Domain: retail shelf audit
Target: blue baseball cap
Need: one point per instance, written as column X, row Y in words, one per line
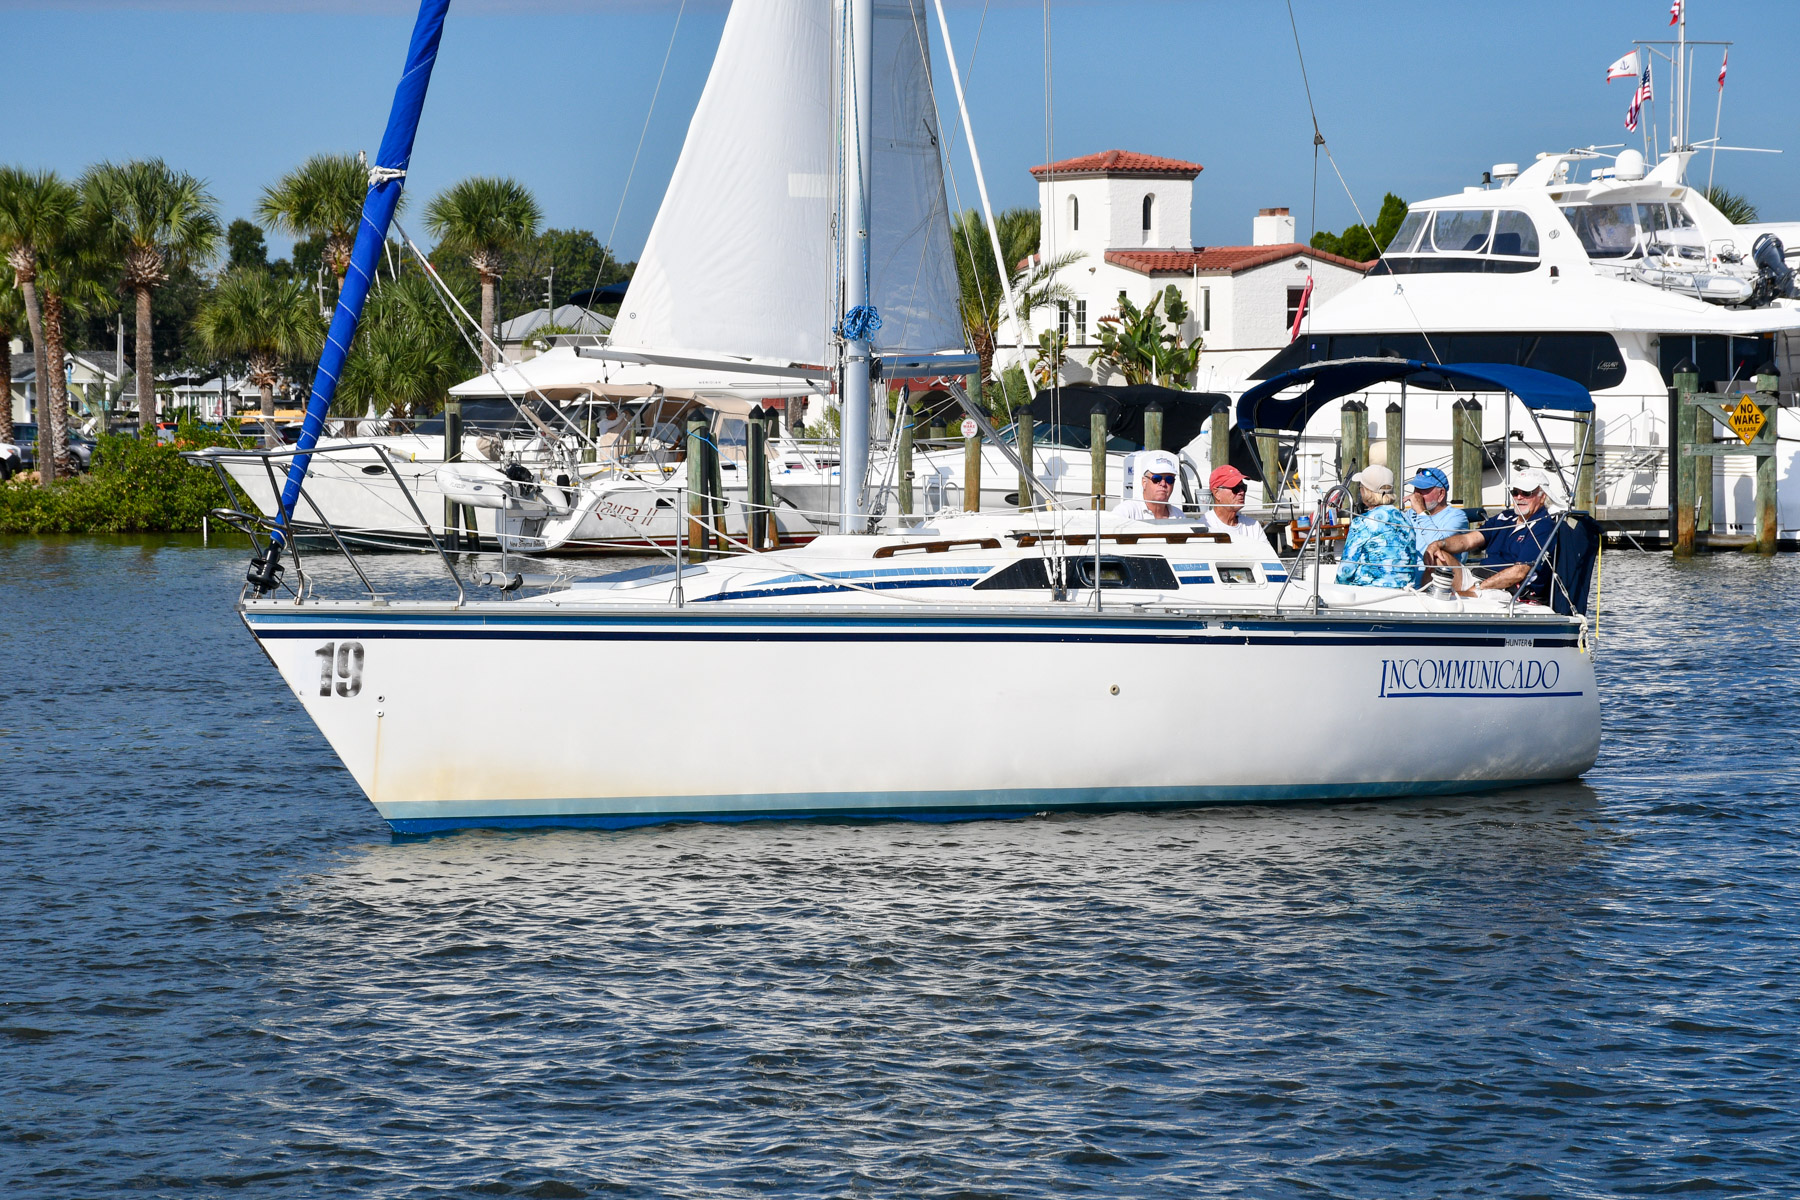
column 1429, row 477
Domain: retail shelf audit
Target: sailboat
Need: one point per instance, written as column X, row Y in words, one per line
column 975, row 664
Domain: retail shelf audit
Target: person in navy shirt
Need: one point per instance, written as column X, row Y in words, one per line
column 1514, row 543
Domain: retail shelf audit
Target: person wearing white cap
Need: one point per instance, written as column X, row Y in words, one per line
column 1514, row 542
column 1380, row 549
column 1158, row 473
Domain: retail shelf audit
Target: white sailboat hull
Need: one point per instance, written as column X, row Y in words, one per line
column 501, row 715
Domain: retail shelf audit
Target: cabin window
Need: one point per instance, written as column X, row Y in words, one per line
column 1074, row 212
column 1462, row 231
column 1149, row 215
column 1408, row 233
column 1028, row 574
column 1143, row 572
column 1515, row 235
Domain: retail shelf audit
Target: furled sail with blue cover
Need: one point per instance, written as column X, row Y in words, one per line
column 386, row 180
column 740, row 261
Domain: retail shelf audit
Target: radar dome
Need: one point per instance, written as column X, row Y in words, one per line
column 1629, row 165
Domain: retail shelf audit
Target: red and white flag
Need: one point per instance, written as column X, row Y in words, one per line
column 1639, row 98
column 1625, row 68
column 1674, row 11
column 1723, row 63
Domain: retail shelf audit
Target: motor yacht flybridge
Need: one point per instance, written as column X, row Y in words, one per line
column 1055, row 658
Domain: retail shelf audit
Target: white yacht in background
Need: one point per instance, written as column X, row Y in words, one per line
column 1592, row 268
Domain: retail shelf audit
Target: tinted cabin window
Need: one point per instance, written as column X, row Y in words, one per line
column 1144, row 572
column 1026, row 574
column 1515, row 235
column 1408, row 234
column 1461, row 232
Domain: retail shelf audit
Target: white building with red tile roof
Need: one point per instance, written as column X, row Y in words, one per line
column 1129, row 217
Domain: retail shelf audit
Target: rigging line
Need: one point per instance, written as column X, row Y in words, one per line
column 1319, row 143
column 642, row 134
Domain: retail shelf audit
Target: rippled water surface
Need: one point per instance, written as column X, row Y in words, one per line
column 220, row 971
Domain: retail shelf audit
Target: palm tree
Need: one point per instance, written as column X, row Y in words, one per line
column 484, row 218
column 69, row 278
column 155, row 219
column 36, row 209
column 407, row 353
column 1732, row 206
column 322, row 197
column 1033, row 280
column 267, row 322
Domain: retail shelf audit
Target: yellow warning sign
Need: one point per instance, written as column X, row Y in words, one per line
column 1746, row 420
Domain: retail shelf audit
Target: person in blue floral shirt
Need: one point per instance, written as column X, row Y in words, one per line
column 1381, row 548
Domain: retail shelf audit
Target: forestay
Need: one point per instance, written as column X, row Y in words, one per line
column 740, row 260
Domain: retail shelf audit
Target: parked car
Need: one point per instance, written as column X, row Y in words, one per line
column 25, row 436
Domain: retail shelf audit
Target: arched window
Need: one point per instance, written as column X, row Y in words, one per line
column 1149, row 215
column 1074, row 213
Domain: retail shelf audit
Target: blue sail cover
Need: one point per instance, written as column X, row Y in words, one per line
column 378, row 210
column 1262, row 407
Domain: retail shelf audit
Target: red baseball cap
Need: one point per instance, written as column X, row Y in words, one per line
column 1225, row 476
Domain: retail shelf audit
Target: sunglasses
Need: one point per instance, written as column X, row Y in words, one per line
column 1159, row 478
column 1517, row 493
column 1236, row 487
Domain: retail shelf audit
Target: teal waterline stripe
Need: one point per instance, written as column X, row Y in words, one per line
column 435, row 816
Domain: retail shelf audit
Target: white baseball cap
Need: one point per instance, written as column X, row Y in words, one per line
column 1376, row 479
column 1158, row 462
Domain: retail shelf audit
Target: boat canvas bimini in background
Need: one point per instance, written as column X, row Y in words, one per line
column 1122, row 636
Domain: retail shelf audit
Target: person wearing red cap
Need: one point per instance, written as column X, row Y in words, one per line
column 1227, row 512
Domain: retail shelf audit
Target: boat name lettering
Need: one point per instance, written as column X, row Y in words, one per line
column 340, row 663
column 626, row 512
column 1467, row 676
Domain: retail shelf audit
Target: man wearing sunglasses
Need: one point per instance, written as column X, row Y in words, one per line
column 1156, row 490
column 1428, row 505
column 1514, row 543
column 1227, row 512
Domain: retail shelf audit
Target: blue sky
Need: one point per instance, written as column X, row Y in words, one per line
column 1414, row 96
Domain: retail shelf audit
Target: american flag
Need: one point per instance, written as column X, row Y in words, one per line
column 1639, row 98
column 1674, row 11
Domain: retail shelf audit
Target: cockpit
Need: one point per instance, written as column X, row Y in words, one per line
column 1436, row 241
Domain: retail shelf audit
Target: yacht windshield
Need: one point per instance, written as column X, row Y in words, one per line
column 1462, row 240
column 1408, row 233
column 1515, row 235
column 1605, row 230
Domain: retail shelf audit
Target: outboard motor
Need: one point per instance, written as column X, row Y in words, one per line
column 1774, row 276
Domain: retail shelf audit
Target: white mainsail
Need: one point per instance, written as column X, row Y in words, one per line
column 740, row 260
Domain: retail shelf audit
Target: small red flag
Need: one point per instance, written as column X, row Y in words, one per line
column 1723, row 63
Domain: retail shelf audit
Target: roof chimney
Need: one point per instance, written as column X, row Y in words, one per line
column 1272, row 227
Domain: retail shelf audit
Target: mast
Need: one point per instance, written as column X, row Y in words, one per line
column 860, row 321
column 386, row 178
column 1680, row 132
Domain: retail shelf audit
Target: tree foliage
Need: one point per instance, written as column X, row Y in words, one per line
column 1146, row 346
column 1732, row 206
column 1360, row 243
column 982, row 299
column 323, row 198
column 407, row 353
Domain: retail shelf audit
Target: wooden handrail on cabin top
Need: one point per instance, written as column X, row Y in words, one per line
column 986, row 543
column 1126, row 539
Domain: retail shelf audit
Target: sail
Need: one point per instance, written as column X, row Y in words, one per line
column 912, row 274
column 740, row 260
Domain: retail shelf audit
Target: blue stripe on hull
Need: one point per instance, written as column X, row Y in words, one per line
column 940, row 806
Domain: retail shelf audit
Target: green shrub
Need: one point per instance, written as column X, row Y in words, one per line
column 134, row 487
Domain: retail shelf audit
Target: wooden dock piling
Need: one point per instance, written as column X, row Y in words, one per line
column 1587, row 459
column 1219, row 430
column 1097, row 455
column 756, row 489
column 1706, row 477
column 1681, row 532
column 904, row 469
column 1768, row 398
column 1024, row 428
column 972, row 470
column 698, row 477
column 1394, row 427
column 1153, row 425
column 1353, row 438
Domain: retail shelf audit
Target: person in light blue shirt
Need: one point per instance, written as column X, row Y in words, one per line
column 1429, row 507
column 1381, row 548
